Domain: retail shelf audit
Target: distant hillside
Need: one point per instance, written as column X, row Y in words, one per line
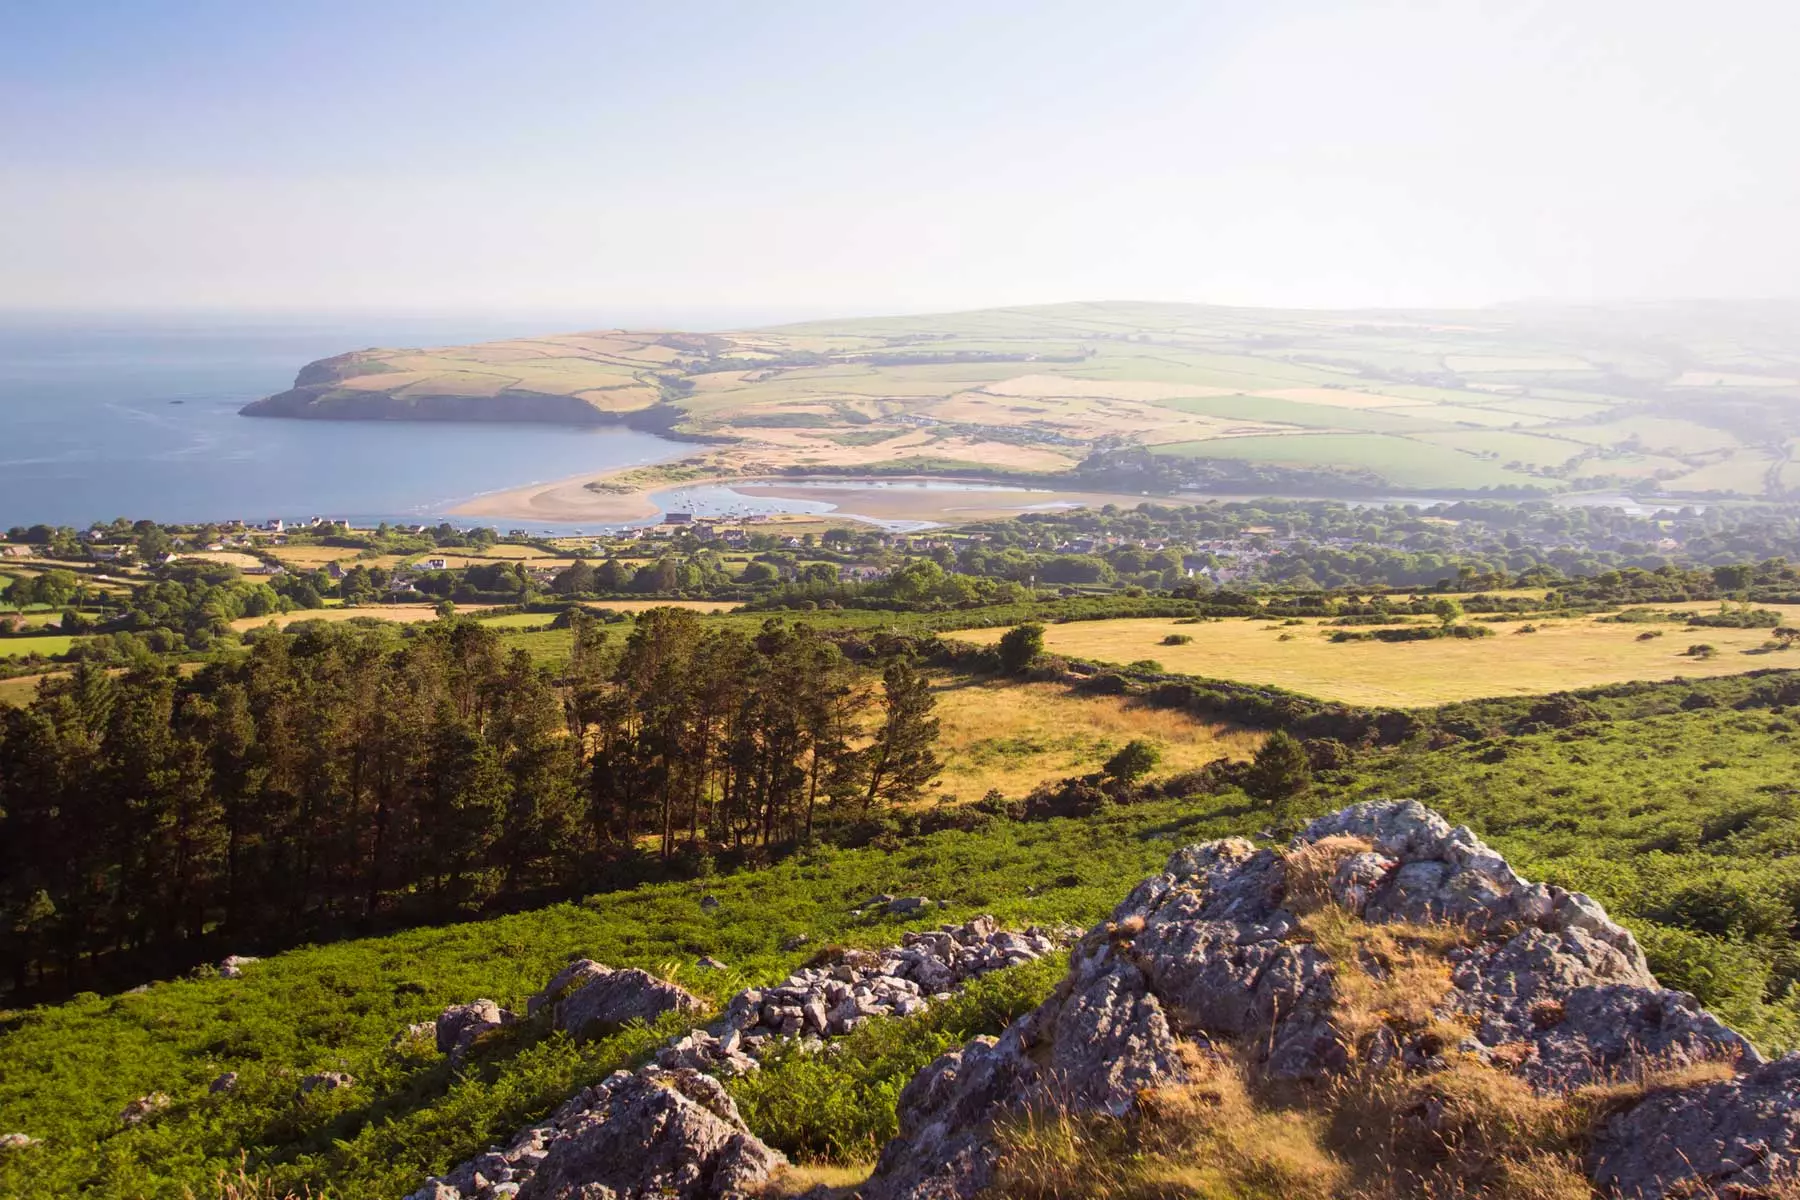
column 1695, row 401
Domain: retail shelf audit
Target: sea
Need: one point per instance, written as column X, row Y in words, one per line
column 108, row 417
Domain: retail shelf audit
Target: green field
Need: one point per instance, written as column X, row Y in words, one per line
column 1402, row 462
column 46, row 644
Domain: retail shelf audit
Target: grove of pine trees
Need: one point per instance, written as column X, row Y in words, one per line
column 337, row 777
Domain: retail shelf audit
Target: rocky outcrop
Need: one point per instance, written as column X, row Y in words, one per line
column 1214, row 949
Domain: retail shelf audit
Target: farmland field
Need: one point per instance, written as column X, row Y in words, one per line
column 1014, row 736
column 1035, row 390
column 1567, row 652
column 19, row 647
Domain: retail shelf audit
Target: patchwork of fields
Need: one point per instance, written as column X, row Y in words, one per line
column 1446, row 401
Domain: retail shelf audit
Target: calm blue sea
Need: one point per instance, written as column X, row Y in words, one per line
column 105, row 418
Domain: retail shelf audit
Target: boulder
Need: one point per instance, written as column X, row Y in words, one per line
column 459, row 1025
column 609, row 1000
column 223, row 1084
column 653, row 1133
column 17, row 1141
column 232, row 965
column 906, row 905
column 577, row 974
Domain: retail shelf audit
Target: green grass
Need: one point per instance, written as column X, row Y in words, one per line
column 1294, row 412
column 46, row 644
column 1403, row 462
column 67, row 1070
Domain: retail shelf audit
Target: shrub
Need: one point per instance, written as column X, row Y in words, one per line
column 1177, row 639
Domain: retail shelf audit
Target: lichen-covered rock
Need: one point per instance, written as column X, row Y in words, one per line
column 1214, row 948
column 1735, row 1137
column 673, row 1135
column 608, row 1000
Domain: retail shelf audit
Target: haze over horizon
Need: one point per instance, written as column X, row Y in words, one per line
column 709, row 163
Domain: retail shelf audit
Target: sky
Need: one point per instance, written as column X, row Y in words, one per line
column 788, row 158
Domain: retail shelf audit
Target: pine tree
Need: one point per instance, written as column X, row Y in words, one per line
column 901, row 760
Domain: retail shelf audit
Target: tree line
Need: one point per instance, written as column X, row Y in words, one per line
column 338, row 777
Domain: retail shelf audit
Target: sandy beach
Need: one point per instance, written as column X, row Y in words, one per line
column 563, row 500
column 900, row 499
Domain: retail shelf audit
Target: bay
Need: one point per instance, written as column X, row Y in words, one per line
column 109, row 417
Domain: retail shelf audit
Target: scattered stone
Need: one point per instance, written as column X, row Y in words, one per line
column 141, row 1109
column 905, row 905
column 232, row 965
column 326, row 1081
column 17, row 1141
column 225, row 1083
column 840, row 994
column 788, row 945
column 708, row 962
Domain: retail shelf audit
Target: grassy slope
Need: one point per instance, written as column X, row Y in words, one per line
column 67, row 1070
column 1680, row 821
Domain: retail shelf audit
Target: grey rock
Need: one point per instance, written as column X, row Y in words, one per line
column 608, row 1001
column 225, row 1083
column 708, row 962
column 1736, row 1137
column 905, row 905
column 17, row 1141
column 577, row 974
column 657, row 1134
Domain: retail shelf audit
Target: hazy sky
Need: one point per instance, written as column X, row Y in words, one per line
column 848, row 155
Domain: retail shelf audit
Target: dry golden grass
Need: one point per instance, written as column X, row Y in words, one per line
column 803, row 1179
column 1564, row 653
column 21, row 689
column 403, row 613
column 228, row 558
column 311, row 556
column 1015, row 736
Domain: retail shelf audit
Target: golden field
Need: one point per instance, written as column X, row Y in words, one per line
column 1013, row 736
column 1564, row 653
